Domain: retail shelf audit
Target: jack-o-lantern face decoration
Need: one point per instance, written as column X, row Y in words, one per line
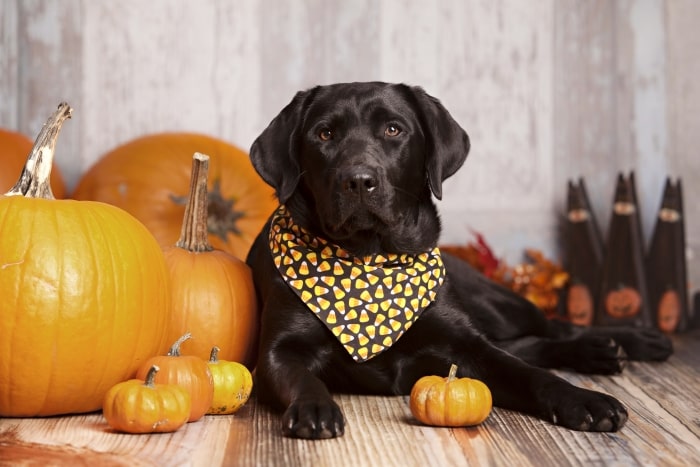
column 624, row 302
column 579, row 305
column 669, row 311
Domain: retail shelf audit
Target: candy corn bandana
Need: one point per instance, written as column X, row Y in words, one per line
column 366, row 302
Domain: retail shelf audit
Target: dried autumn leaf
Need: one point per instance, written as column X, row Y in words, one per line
column 538, row 279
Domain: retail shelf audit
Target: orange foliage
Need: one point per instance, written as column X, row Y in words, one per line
column 538, row 279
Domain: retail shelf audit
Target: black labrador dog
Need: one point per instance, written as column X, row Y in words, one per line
column 357, row 298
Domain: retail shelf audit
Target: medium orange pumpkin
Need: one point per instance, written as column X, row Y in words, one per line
column 137, row 406
column 14, row 149
column 450, row 401
column 190, row 372
column 213, row 296
column 149, row 177
column 84, row 296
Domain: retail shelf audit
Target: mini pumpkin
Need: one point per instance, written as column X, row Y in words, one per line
column 190, row 372
column 450, row 401
column 232, row 384
column 137, row 406
column 213, row 296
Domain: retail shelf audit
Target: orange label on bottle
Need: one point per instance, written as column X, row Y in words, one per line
column 579, row 305
column 669, row 312
column 624, row 302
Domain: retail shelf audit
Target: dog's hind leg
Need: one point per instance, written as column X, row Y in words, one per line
column 589, row 350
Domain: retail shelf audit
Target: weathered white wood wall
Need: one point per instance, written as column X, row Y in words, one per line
column 548, row 90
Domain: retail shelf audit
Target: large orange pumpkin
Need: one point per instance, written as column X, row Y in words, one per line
column 14, row 149
column 149, row 177
column 84, row 296
column 212, row 291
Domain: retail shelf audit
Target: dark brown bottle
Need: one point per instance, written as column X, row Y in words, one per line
column 623, row 293
column 583, row 258
column 666, row 263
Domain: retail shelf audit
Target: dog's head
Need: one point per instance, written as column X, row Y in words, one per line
column 357, row 162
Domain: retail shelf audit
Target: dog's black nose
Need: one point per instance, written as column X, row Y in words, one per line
column 360, row 183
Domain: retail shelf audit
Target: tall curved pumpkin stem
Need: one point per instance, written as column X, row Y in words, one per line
column 194, row 235
column 34, row 180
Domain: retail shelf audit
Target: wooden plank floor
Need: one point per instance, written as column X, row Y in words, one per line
column 663, row 430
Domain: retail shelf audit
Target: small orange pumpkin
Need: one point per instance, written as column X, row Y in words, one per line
column 137, row 406
column 213, row 296
column 14, row 148
column 192, row 373
column 149, row 177
column 450, row 401
column 232, row 384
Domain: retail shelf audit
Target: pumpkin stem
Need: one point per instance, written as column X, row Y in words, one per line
column 34, row 180
column 151, row 376
column 452, row 375
column 214, row 356
column 194, row 236
column 223, row 216
column 175, row 349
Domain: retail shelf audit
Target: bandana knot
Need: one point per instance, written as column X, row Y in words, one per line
column 366, row 302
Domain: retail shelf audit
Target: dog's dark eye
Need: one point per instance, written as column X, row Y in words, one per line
column 392, row 130
column 325, row 134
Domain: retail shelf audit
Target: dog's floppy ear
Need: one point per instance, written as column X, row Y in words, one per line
column 447, row 143
column 274, row 153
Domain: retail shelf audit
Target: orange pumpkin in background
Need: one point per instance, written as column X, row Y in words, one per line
column 14, row 149
column 149, row 177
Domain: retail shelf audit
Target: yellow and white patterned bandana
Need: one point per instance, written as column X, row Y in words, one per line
column 366, row 302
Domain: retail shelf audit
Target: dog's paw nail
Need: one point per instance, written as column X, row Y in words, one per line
column 605, row 424
column 587, row 423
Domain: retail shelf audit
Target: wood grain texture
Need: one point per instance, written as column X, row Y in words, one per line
column 9, row 65
column 662, row 430
column 584, row 60
column 51, row 71
column 683, row 110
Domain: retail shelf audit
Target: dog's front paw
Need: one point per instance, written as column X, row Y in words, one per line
column 313, row 419
column 584, row 410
